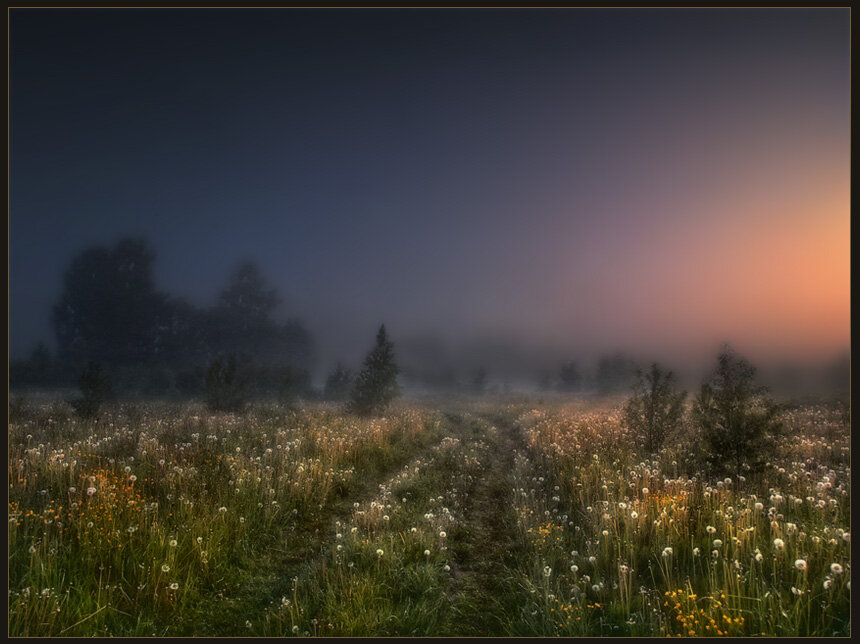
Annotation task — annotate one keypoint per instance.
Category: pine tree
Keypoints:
(376, 386)
(739, 422)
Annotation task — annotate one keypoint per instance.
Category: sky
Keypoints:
(567, 181)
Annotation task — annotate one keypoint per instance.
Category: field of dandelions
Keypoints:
(481, 518)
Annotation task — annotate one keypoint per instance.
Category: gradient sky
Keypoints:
(652, 180)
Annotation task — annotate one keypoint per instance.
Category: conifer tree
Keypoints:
(376, 386)
(740, 423)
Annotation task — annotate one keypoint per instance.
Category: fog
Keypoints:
(507, 191)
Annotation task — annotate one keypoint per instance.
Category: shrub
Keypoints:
(655, 409)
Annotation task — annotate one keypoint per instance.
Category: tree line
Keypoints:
(116, 332)
(111, 313)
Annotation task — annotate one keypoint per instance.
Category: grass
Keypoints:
(481, 518)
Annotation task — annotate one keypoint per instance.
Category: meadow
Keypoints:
(485, 516)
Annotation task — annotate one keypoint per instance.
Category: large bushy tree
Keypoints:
(376, 385)
(655, 409)
(109, 306)
(739, 421)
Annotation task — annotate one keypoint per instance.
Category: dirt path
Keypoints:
(485, 546)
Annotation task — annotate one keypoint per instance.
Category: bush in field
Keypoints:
(655, 409)
(376, 385)
(738, 421)
(338, 383)
(226, 385)
(94, 386)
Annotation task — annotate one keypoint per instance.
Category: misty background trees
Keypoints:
(111, 313)
(149, 342)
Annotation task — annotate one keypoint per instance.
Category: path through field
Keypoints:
(479, 597)
(486, 548)
(271, 575)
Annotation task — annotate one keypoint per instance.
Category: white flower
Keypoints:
(836, 569)
(828, 582)
(426, 553)
(778, 543)
(173, 543)
(222, 509)
(718, 543)
(91, 491)
(447, 568)
(800, 564)
(547, 571)
(667, 551)
(165, 568)
(696, 552)
(634, 515)
(174, 586)
(442, 534)
(711, 529)
(380, 552)
(574, 568)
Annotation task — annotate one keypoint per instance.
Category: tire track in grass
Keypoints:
(271, 574)
(403, 592)
(485, 602)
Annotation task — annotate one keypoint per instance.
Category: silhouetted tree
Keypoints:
(739, 422)
(338, 383)
(376, 384)
(248, 297)
(94, 386)
(40, 369)
(569, 377)
(655, 409)
(243, 323)
(479, 382)
(615, 374)
(226, 385)
(108, 306)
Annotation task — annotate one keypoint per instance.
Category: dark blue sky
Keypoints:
(570, 178)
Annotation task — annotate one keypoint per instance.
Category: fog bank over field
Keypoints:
(506, 190)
